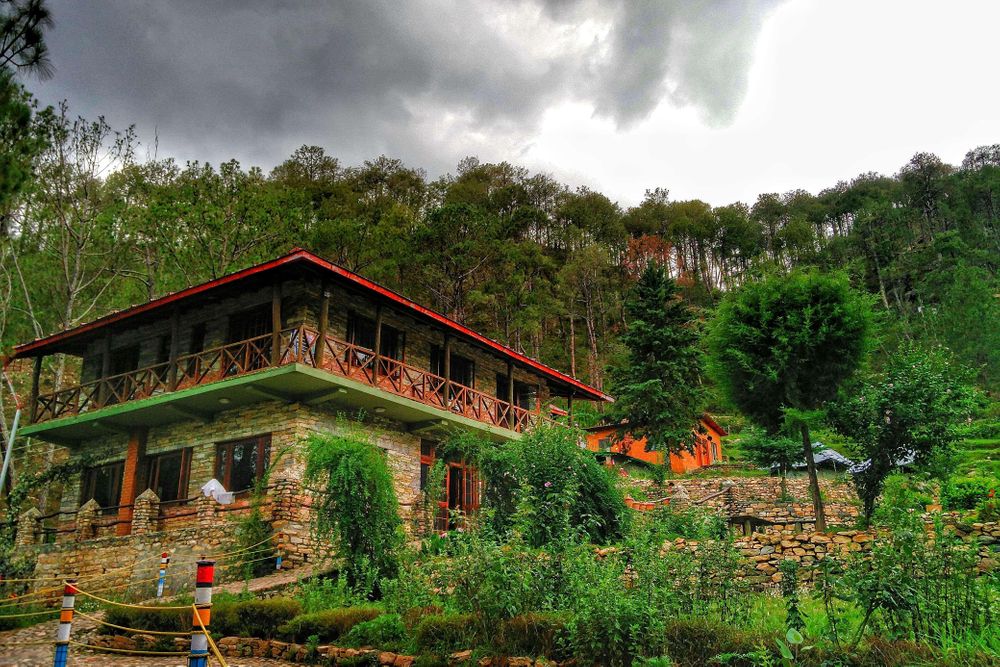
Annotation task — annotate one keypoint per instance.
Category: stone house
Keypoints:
(223, 380)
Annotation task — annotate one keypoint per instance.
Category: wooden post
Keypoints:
(35, 380)
(130, 477)
(510, 394)
(102, 389)
(175, 343)
(447, 370)
(276, 324)
(378, 342)
(324, 324)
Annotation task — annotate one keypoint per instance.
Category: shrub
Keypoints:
(253, 618)
(318, 594)
(445, 633)
(385, 632)
(329, 625)
(967, 492)
(170, 620)
(535, 634)
(356, 507)
(692, 522)
(697, 642)
(430, 660)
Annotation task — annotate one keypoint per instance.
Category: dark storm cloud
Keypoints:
(427, 81)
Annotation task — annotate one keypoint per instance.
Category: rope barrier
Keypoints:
(239, 551)
(23, 601)
(136, 630)
(39, 643)
(127, 605)
(125, 650)
(211, 643)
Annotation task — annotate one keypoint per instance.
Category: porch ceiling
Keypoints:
(292, 383)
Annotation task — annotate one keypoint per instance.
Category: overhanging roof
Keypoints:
(299, 259)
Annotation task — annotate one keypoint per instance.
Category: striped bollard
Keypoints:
(65, 623)
(164, 562)
(277, 558)
(202, 610)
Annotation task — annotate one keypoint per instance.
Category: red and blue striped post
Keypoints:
(203, 611)
(277, 557)
(65, 623)
(164, 562)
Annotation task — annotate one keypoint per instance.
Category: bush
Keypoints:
(319, 594)
(445, 633)
(697, 642)
(695, 523)
(536, 634)
(356, 507)
(967, 492)
(329, 625)
(253, 618)
(169, 620)
(385, 632)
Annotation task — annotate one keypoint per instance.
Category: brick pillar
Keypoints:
(85, 518)
(130, 478)
(27, 528)
(146, 513)
(206, 506)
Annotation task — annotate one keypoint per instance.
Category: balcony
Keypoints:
(297, 364)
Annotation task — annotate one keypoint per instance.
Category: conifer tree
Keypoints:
(658, 389)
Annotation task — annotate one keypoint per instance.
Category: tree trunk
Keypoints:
(813, 480)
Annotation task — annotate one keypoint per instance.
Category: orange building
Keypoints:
(707, 449)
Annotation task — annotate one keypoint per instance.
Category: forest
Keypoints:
(88, 225)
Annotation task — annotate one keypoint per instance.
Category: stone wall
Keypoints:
(764, 551)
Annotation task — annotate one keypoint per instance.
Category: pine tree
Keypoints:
(658, 390)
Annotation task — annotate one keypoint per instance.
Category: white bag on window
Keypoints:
(215, 489)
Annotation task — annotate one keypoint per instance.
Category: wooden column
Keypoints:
(378, 341)
(510, 394)
(36, 376)
(447, 370)
(324, 325)
(102, 389)
(276, 324)
(175, 333)
(130, 477)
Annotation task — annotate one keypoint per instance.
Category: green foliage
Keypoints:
(902, 495)
(658, 389)
(321, 593)
(967, 493)
(386, 632)
(444, 633)
(253, 618)
(766, 450)
(914, 406)
(170, 620)
(696, 642)
(789, 569)
(690, 522)
(535, 634)
(546, 487)
(788, 341)
(329, 625)
(356, 507)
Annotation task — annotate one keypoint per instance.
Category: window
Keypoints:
(124, 359)
(604, 444)
(249, 324)
(361, 332)
(168, 474)
(102, 483)
(197, 341)
(463, 369)
(461, 487)
(524, 393)
(240, 463)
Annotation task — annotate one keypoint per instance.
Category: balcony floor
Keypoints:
(290, 383)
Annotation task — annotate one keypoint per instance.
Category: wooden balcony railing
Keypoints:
(296, 345)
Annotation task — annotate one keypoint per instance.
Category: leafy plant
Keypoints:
(385, 632)
(356, 505)
(329, 625)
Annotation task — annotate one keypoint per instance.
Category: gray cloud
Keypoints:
(428, 82)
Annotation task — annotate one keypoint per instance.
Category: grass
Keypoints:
(979, 456)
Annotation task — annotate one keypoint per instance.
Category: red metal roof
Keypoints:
(298, 255)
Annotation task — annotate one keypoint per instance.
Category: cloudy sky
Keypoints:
(712, 99)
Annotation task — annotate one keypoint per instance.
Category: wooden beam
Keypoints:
(175, 332)
(36, 376)
(201, 415)
(276, 324)
(324, 324)
(447, 370)
(378, 341)
(510, 394)
(102, 388)
(323, 396)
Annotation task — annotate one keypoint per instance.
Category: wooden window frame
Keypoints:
(153, 470)
(88, 481)
(263, 445)
(469, 491)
